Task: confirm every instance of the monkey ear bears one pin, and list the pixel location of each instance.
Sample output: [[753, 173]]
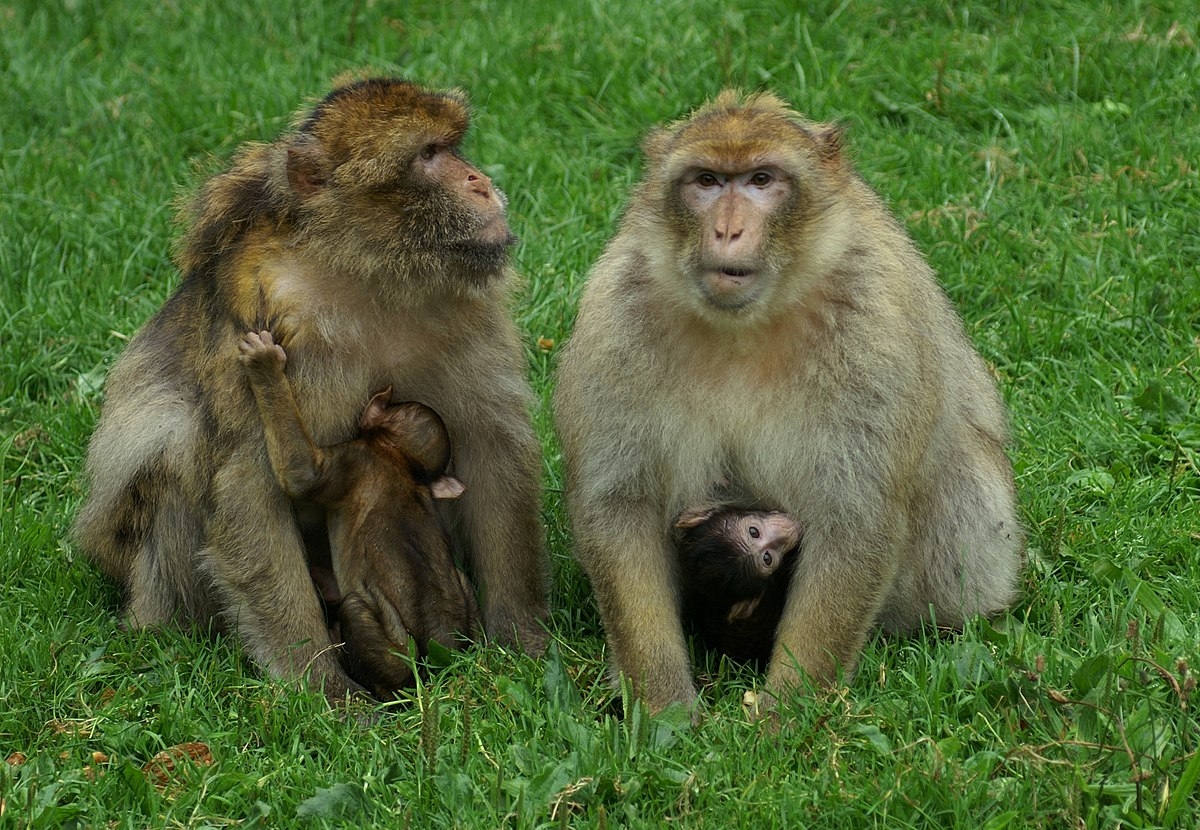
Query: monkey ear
[[830, 139], [447, 487], [306, 167], [656, 144], [694, 517], [374, 413]]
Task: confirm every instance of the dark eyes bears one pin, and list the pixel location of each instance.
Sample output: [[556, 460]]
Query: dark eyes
[[429, 151], [753, 531], [761, 178], [767, 558]]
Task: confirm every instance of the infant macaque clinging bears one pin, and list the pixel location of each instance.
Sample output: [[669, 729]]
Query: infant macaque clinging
[[735, 567], [394, 575]]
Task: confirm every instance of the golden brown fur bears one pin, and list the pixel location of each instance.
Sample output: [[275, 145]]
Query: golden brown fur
[[394, 576], [787, 338], [379, 258]]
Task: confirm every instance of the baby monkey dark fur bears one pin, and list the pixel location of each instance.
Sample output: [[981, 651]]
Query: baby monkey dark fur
[[736, 565]]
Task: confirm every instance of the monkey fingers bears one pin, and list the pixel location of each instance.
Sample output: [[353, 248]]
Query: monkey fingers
[[259, 350]]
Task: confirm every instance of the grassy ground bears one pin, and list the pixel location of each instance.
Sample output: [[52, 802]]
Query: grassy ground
[[1045, 156]]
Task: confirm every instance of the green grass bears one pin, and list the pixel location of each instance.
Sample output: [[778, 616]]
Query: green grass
[[1046, 156]]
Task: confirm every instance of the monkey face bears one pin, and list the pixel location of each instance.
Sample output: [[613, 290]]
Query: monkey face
[[741, 183], [733, 554], [763, 540], [733, 210], [380, 183]]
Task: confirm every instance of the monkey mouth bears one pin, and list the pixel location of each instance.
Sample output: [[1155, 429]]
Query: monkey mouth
[[729, 288], [495, 231], [730, 279]]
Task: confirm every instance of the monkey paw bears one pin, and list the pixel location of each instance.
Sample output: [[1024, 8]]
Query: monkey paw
[[259, 349]]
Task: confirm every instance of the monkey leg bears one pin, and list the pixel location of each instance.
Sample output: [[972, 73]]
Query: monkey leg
[[256, 559], [165, 584], [633, 573], [972, 557], [833, 602], [500, 522], [142, 523]]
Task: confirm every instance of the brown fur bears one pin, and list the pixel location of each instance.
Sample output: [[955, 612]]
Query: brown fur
[[834, 382], [392, 568], [374, 266]]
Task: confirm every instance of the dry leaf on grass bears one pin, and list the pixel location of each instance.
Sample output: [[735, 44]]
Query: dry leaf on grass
[[160, 768]]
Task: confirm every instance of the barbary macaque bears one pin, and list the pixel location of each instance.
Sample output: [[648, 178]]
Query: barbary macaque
[[394, 577], [378, 256], [760, 318], [735, 565]]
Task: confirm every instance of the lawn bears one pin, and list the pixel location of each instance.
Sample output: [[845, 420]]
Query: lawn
[[1045, 156]]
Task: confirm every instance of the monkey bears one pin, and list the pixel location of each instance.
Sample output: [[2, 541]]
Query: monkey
[[760, 317], [393, 575], [734, 566], [379, 256]]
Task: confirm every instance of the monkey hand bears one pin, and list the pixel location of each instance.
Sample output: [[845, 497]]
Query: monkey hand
[[260, 351]]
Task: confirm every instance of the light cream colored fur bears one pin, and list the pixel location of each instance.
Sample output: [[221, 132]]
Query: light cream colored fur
[[846, 396]]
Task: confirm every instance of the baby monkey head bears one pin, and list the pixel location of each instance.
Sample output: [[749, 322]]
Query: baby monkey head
[[739, 550]]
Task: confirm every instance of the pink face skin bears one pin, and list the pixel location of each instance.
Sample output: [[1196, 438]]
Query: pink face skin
[[734, 209], [766, 537], [439, 162]]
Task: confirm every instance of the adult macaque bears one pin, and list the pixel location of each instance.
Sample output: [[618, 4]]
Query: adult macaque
[[379, 257], [760, 318], [394, 576], [735, 566]]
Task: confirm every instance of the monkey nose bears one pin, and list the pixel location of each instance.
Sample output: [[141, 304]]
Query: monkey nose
[[480, 185]]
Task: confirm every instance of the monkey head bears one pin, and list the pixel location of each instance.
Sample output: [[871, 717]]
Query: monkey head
[[737, 187], [371, 182], [734, 553], [386, 152], [418, 435]]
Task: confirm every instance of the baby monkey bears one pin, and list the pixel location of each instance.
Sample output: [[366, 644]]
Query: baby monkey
[[393, 575], [735, 567]]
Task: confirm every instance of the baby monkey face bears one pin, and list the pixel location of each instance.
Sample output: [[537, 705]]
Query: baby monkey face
[[763, 538]]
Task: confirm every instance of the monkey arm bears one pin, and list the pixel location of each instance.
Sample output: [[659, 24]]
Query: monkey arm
[[499, 460], [633, 571], [303, 470], [854, 548], [256, 559]]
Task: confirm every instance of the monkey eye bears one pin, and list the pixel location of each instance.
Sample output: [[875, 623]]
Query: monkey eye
[[429, 151], [707, 179], [767, 558], [753, 531], [761, 179]]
